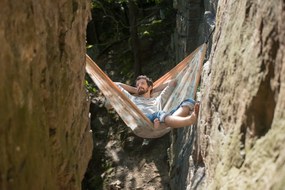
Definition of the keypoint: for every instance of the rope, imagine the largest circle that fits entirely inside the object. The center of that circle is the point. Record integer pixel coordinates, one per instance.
(207, 40)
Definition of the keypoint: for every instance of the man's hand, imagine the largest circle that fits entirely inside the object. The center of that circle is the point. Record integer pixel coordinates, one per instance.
(172, 83)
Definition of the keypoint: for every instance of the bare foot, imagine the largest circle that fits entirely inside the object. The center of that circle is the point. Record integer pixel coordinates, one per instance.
(195, 113)
(158, 125)
(196, 108)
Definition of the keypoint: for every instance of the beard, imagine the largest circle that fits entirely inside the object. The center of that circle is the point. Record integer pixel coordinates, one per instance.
(142, 91)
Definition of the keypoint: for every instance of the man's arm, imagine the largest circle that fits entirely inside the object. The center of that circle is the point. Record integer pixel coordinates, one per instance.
(167, 91)
(170, 83)
(130, 89)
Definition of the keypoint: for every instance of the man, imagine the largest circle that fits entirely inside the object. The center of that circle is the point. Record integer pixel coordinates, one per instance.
(184, 115)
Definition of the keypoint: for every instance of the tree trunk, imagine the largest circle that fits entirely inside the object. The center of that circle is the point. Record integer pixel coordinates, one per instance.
(134, 37)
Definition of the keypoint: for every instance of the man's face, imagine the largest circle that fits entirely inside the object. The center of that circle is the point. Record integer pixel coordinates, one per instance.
(142, 87)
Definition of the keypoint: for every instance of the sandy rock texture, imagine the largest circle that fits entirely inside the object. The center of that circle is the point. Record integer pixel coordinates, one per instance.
(45, 141)
(238, 140)
(242, 118)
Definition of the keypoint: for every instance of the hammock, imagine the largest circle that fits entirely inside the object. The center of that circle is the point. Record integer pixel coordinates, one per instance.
(187, 74)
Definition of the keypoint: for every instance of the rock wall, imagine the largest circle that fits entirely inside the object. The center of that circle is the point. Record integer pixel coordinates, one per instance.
(189, 27)
(194, 23)
(242, 123)
(44, 133)
(237, 143)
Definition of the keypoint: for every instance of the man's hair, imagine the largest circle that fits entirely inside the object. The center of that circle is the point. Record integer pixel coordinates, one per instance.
(148, 80)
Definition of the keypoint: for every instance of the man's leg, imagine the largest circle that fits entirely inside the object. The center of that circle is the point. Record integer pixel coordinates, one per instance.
(183, 111)
(178, 121)
(185, 108)
(180, 118)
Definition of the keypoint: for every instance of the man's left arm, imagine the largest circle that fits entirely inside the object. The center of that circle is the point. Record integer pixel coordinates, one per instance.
(170, 83)
(164, 95)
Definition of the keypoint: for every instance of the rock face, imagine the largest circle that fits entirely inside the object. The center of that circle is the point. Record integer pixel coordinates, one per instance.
(240, 133)
(194, 23)
(242, 116)
(189, 27)
(44, 133)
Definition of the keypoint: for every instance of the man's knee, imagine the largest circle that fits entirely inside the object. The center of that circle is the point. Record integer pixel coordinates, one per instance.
(188, 104)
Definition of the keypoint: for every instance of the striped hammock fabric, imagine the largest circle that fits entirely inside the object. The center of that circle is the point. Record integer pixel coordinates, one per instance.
(186, 73)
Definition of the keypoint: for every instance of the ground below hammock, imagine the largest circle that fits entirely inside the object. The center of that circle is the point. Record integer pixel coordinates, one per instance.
(139, 167)
(122, 160)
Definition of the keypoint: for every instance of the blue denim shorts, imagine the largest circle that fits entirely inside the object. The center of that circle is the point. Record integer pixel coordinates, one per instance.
(162, 114)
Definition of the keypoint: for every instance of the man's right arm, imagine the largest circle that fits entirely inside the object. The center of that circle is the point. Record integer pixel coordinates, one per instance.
(128, 88)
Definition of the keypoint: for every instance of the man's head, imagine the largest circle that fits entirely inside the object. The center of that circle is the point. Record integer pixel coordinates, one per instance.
(144, 85)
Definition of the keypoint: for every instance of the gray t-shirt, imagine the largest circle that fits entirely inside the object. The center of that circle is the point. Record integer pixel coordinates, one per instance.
(150, 105)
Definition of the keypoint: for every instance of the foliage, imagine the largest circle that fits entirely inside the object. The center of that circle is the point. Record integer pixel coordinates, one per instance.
(112, 51)
(90, 87)
(155, 20)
